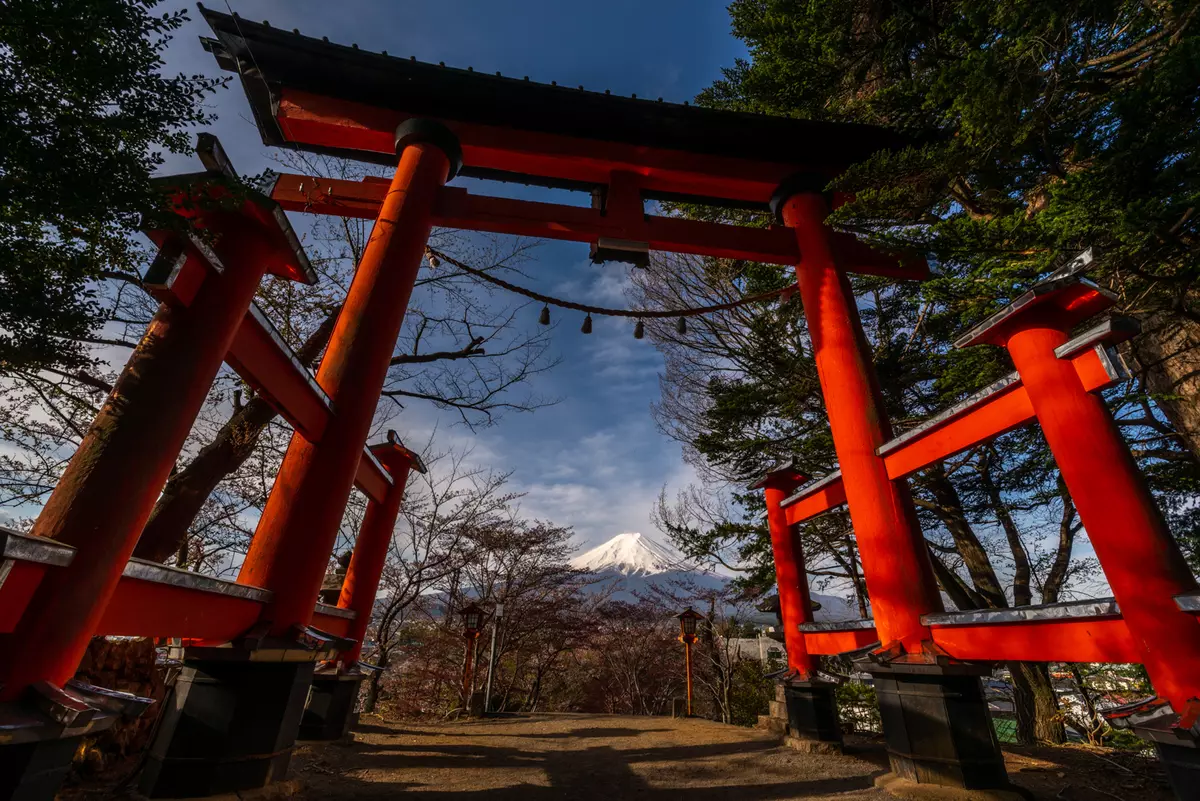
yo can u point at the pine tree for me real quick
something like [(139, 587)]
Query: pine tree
[(85, 115)]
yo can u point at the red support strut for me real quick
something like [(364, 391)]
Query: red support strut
[(290, 549), (361, 584), (895, 560), (106, 495), (1141, 561), (795, 605)]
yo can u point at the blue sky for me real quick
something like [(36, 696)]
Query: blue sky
[(594, 461)]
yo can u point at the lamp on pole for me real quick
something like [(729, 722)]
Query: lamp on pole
[(472, 616), (497, 615), (687, 635)]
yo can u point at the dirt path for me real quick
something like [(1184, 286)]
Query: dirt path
[(576, 757), (612, 758)]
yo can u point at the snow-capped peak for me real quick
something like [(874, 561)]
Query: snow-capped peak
[(630, 554)]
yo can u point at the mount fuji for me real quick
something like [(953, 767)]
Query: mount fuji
[(632, 564), (632, 554)]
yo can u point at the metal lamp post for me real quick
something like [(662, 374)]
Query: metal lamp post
[(472, 617), (497, 616), (687, 635)]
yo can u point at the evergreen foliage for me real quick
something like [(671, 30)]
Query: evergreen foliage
[(86, 115)]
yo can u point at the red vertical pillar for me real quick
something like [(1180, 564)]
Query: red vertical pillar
[(895, 560), (1141, 561), (795, 605), (291, 546), (361, 584), (104, 498)]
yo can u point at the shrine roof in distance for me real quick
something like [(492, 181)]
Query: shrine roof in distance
[(318, 96)]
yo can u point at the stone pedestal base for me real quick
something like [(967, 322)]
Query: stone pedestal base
[(329, 709), (814, 746), (936, 724), (1183, 768), (39, 734), (230, 726), (34, 771), (812, 712)]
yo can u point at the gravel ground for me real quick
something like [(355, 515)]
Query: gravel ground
[(615, 757)]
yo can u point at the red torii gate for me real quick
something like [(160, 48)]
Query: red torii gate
[(250, 647)]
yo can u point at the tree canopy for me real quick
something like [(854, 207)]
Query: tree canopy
[(86, 115)]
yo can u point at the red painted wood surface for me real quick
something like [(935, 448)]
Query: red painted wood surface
[(795, 603), (314, 120), (1140, 559), (457, 208), (104, 498), (150, 609), (361, 584), (892, 548), (296, 533), (1080, 640), (830, 643), (1005, 411), (16, 590)]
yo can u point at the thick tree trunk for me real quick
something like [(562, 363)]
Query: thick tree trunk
[(1166, 356), (949, 508), (188, 489), (1039, 719)]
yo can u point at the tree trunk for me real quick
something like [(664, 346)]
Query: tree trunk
[(1039, 719), (949, 509), (188, 489), (372, 696), (1166, 356)]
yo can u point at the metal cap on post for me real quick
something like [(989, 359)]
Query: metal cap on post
[(432, 132)]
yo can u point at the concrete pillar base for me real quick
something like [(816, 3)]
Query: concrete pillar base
[(329, 708), (936, 724), (229, 726), (812, 712), (906, 788)]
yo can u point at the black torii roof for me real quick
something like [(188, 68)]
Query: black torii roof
[(268, 58)]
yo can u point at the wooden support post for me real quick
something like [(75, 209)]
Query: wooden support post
[(289, 552), (895, 559), (1140, 559), (106, 495), (795, 604), (361, 584)]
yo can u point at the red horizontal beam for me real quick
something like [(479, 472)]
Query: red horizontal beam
[(314, 120), (332, 624), (151, 609), (830, 496), (1099, 639), (260, 359), (457, 208), (266, 363), (1002, 412), (998, 413), (1079, 640), (141, 608), (830, 643)]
